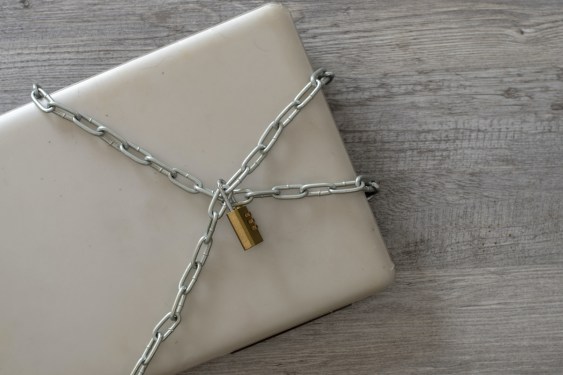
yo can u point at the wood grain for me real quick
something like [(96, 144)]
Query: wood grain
[(485, 321), (455, 106)]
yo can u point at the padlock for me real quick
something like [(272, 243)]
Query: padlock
[(245, 227), (241, 220)]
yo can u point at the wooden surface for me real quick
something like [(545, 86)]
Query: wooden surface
[(455, 106)]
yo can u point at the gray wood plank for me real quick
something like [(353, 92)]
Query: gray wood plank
[(455, 106), (481, 321)]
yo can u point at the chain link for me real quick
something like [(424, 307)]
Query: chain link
[(220, 196)]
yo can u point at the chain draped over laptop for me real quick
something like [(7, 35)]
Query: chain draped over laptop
[(225, 193)]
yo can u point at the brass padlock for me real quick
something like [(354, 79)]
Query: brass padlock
[(245, 227), (241, 220)]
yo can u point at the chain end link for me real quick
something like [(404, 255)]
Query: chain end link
[(321, 75), (38, 95), (371, 189)]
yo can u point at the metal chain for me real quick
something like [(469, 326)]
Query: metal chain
[(172, 318), (218, 205), (296, 191), (179, 177), (183, 179), (272, 133)]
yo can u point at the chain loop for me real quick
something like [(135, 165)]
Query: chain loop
[(87, 124), (178, 304), (258, 150), (270, 136), (192, 273), (215, 200), (38, 94), (160, 166), (202, 249), (112, 138), (194, 182), (147, 355), (135, 153), (318, 189), (285, 192), (208, 236), (173, 322)]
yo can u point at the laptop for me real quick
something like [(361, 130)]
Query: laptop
[(93, 244)]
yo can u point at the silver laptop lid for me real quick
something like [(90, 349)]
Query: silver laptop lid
[(93, 245)]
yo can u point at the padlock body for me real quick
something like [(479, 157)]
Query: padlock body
[(245, 227)]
